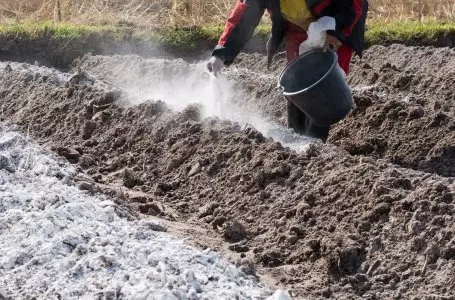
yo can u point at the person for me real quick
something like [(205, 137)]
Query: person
[(290, 22)]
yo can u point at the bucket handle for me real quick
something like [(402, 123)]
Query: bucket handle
[(280, 88)]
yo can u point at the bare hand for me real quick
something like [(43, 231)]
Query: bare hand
[(332, 42)]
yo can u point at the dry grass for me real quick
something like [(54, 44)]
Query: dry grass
[(414, 10), (191, 12)]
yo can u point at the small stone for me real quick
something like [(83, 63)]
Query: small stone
[(207, 209), (195, 169)]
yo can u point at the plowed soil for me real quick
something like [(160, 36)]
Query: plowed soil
[(370, 215)]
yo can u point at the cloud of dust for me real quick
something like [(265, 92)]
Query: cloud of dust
[(218, 97)]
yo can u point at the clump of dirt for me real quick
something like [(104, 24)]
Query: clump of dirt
[(234, 231), (325, 223)]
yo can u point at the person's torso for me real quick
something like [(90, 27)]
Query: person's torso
[(296, 12)]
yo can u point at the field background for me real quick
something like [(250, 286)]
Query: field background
[(153, 13), (72, 28)]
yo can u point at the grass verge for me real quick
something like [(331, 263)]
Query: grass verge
[(411, 33), (68, 41), (188, 38)]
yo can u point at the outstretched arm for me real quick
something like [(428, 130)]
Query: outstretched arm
[(239, 29)]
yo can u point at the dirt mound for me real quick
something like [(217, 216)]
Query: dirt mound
[(326, 224), (403, 94), (405, 111)]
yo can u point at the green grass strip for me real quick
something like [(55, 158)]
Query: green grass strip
[(188, 38), (407, 32)]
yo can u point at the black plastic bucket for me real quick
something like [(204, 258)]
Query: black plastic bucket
[(317, 86)]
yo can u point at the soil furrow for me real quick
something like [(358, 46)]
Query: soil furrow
[(338, 222)]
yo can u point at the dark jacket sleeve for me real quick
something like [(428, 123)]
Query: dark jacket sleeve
[(347, 14), (239, 29)]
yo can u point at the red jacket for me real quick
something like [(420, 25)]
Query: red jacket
[(350, 17)]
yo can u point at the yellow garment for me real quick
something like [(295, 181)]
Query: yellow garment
[(297, 12)]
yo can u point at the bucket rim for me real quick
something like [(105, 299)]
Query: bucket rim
[(335, 61)]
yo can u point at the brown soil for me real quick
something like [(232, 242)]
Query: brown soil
[(404, 99), (405, 108), (347, 220)]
